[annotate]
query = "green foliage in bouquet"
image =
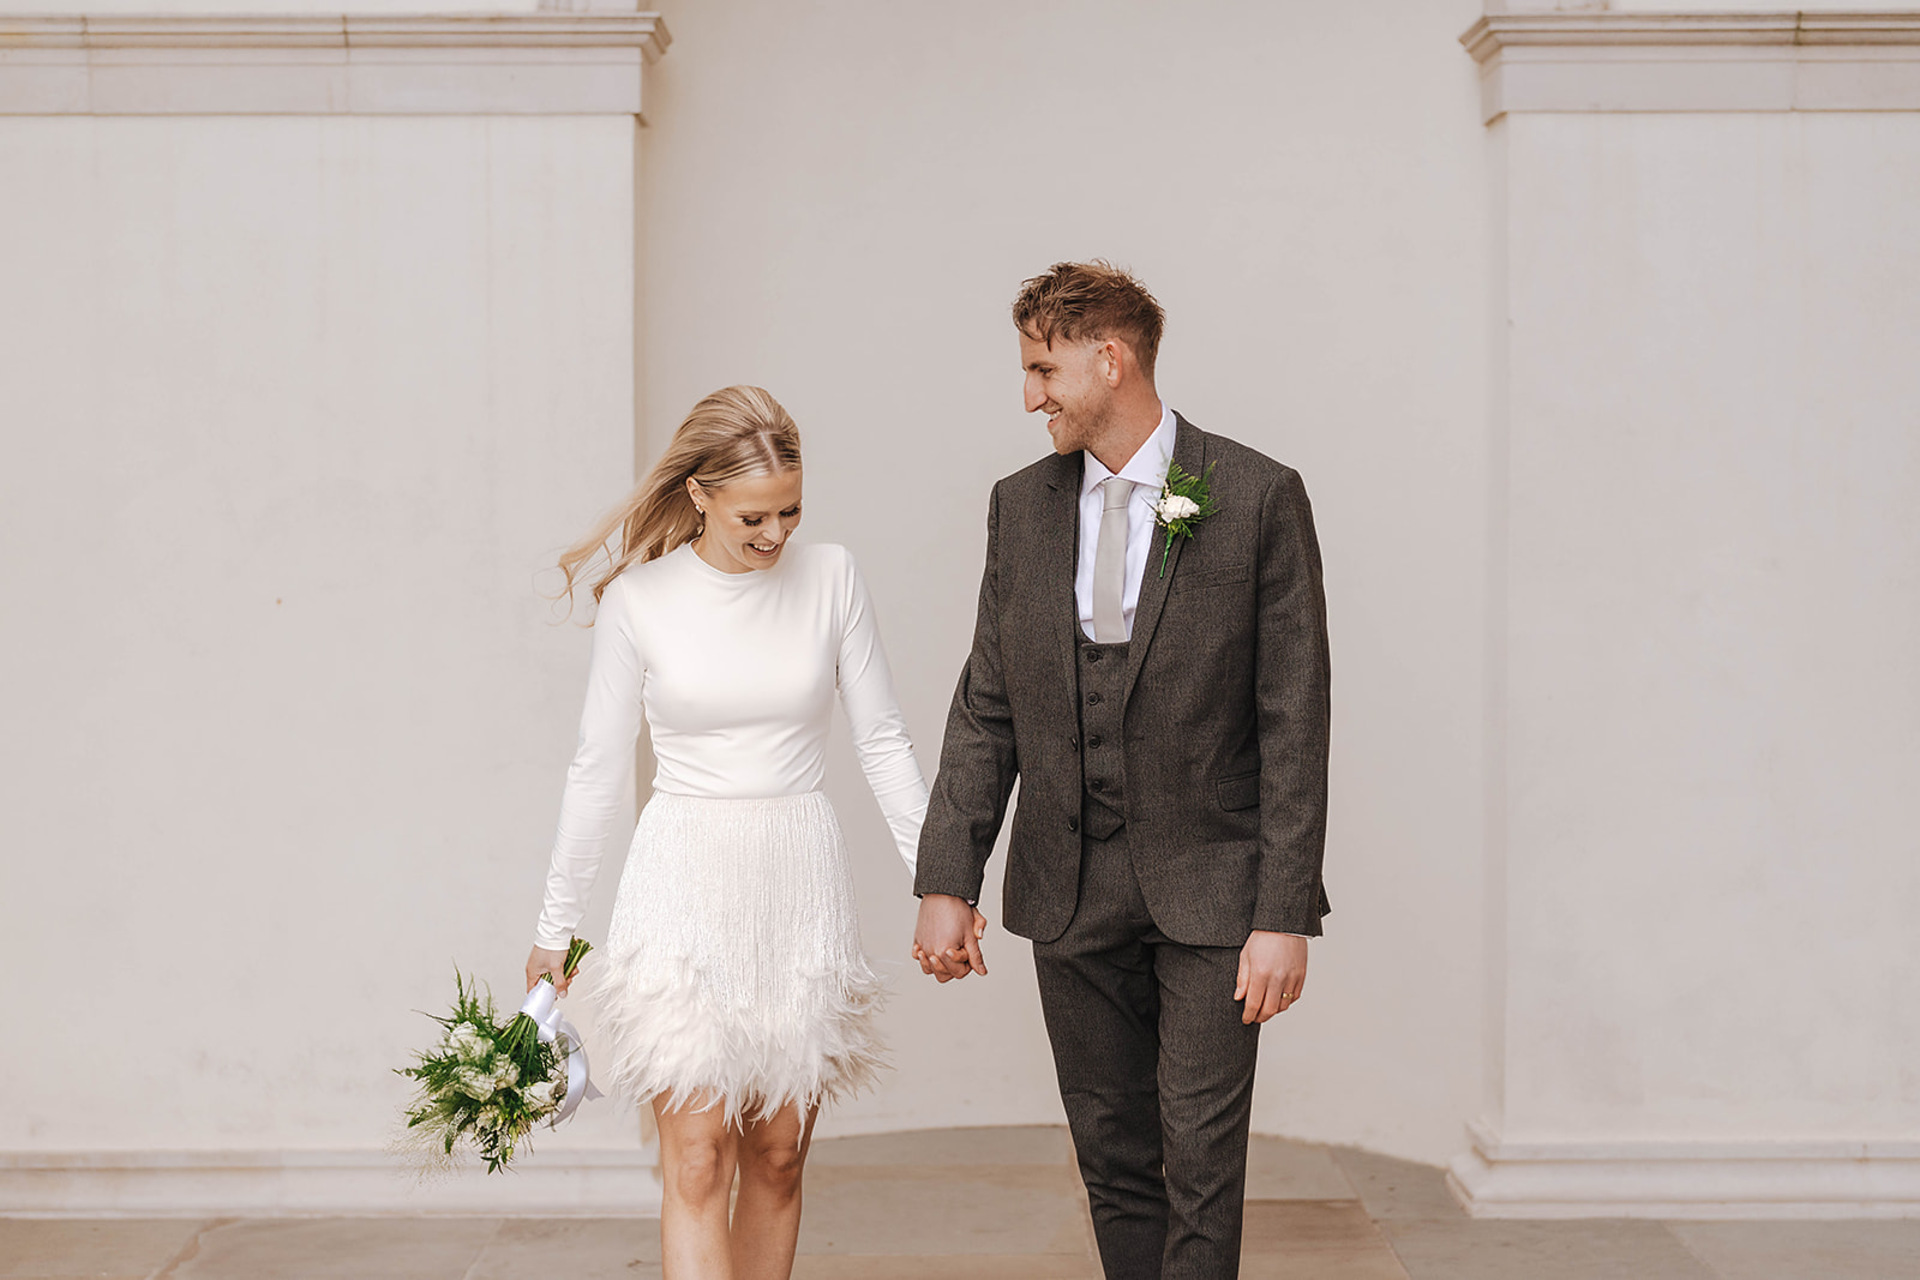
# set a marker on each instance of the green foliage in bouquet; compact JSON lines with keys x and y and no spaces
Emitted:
{"x":482,"y":1082}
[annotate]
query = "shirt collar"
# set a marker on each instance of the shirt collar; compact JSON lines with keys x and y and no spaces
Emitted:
{"x":1147,"y":466}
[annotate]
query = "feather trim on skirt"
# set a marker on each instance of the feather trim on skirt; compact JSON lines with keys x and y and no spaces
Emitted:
{"x":733,"y":974}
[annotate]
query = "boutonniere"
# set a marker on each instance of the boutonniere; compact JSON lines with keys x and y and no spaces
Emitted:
{"x":1185,"y":501}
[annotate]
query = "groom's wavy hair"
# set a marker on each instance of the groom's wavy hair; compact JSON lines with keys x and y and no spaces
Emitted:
{"x":735,"y":432}
{"x":1091,"y":302}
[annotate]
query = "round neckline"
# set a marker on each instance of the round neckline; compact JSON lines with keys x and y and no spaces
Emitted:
{"x":721,"y":575}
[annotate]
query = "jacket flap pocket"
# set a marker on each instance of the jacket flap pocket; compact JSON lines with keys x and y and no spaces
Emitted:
{"x":1240,"y":793}
{"x":1220,"y":577}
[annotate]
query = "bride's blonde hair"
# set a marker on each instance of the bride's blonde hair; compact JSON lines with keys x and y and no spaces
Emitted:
{"x":735,"y":432}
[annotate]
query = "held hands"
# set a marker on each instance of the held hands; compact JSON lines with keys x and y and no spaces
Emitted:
{"x":1273,"y":969}
{"x":544,"y":960}
{"x":946,"y":941}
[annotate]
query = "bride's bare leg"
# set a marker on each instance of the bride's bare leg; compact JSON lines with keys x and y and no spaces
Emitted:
{"x":698,"y":1153}
{"x":766,"y":1217}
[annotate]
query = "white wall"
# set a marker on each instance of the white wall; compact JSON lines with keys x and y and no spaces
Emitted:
{"x":296,"y":409}
{"x":841,"y":202}
{"x":1713,"y":559}
{"x":342,"y":321}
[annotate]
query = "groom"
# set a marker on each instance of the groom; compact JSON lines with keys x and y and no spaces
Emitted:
{"x":1162,"y":697}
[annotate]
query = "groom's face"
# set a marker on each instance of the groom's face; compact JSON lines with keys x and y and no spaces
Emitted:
{"x":1069,"y":382}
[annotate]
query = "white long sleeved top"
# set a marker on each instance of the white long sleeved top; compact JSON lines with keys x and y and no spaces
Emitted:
{"x":735,"y":674}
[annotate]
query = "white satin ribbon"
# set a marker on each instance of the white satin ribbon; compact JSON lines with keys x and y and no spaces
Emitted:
{"x":542,"y":1006}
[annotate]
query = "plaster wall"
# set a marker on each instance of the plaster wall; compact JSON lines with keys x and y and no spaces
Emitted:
{"x":296,"y":411}
{"x":1712,"y":563}
{"x":840,"y":202}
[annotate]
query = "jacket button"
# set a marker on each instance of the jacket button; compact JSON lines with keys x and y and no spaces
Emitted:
{"x":1094,"y":655}
{"x":1073,"y":824}
{"x":1093,"y":699}
{"x":1098,"y":785}
{"x":1093,"y":743}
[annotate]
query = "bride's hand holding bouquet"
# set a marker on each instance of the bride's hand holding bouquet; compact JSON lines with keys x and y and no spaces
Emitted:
{"x":488,"y":1084}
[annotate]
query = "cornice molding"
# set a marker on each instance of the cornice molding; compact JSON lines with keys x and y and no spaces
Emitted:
{"x":544,"y":63}
{"x":1682,"y":62}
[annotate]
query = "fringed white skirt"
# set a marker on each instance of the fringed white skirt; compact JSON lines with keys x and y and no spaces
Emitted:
{"x":732,"y":974}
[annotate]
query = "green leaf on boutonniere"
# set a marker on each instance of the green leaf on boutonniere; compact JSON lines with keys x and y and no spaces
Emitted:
{"x":1185,"y":500}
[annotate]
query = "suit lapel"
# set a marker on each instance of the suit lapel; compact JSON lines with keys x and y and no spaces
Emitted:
{"x":1060,"y":549}
{"x":1189,"y":450}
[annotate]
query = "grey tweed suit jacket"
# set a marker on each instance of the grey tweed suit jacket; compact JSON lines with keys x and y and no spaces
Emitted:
{"x":1225,"y":718}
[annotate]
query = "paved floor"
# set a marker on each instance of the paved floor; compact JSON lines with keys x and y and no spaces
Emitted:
{"x":988,"y":1204}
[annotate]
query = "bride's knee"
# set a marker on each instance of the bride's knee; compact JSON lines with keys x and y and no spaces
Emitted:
{"x":698,"y":1169}
{"x":774,"y":1162}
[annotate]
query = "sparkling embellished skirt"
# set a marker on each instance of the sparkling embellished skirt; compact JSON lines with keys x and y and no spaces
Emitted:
{"x":732,"y":974}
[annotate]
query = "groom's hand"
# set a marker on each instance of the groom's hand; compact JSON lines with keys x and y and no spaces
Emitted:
{"x":946,"y":940}
{"x":1273,"y":969}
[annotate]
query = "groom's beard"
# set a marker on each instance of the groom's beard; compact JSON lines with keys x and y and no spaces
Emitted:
{"x":1077,"y":429}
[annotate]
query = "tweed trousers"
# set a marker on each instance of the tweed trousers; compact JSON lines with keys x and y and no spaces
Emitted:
{"x":1156,"y":1071}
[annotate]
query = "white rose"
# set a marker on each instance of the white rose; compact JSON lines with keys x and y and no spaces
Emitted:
{"x":506,"y":1075}
{"x":469,"y":1044}
{"x":1174,"y":507}
{"x":476,"y":1084}
{"x":541,"y":1095}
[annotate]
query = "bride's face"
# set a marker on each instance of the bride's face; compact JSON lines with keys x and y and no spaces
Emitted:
{"x":748,"y":520}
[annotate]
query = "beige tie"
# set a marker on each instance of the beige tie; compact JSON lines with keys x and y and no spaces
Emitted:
{"x":1110,"y":563}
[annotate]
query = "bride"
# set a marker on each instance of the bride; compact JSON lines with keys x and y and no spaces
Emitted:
{"x":732,"y":989}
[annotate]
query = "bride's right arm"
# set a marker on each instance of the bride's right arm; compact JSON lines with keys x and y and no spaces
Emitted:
{"x":602,"y":770}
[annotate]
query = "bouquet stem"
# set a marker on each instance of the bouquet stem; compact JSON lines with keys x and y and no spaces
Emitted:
{"x":523,"y":1031}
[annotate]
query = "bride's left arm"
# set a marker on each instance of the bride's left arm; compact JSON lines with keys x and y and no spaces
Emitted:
{"x":879,"y":730}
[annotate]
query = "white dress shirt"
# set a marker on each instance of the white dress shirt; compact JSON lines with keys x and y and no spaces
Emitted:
{"x":1147,"y":468}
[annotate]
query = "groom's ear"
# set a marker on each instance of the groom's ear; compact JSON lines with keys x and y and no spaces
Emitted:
{"x":1114,"y":356}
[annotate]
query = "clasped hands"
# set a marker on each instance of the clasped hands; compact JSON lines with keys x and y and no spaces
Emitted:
{"x":1273,"y":966}
{"x":946,"y":940}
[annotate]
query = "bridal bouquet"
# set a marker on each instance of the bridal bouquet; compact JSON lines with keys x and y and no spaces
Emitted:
{"x":489,"y":1084}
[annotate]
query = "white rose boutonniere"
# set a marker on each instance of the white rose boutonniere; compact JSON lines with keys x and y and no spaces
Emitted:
{"x":1174,"y":507}
{"x":1185,"y":501}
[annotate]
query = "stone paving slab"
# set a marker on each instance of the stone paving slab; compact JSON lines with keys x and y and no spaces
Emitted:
{"x":571,"y":1248}
{"x":1393,"y":1188}
{"x":337,"y":1249}
{"x":1279,"y":1170}
{"x":1607,"y":1249}
{"x":918,"y":1210}
{"x":42,"y":1248}
{"x":1855,"y":1250}
{"x":1326,"y":1239}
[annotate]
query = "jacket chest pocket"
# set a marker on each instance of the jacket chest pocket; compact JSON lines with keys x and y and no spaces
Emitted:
{"x":1225,"y":575}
